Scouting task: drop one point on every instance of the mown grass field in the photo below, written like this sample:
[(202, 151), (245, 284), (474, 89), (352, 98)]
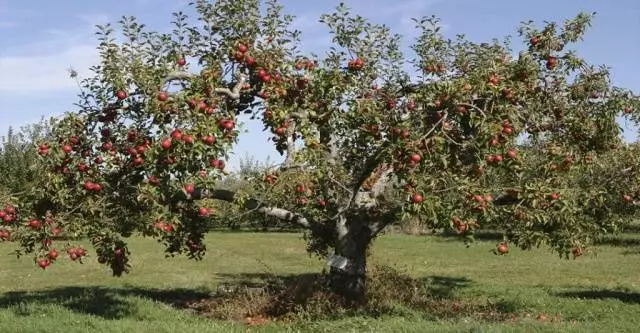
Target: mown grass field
[(592, 294)]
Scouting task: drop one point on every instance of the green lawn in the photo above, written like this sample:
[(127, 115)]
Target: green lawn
[(592, 294)]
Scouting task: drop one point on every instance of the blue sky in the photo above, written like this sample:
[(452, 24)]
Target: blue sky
[(41, 39)]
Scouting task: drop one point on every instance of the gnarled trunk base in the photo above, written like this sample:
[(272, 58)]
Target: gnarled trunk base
[(350, 286), (347, 276)]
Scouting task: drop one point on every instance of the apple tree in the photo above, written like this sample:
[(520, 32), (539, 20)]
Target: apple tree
[(370, 136)]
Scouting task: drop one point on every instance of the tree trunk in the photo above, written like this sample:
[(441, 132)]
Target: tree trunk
[(347, 275)]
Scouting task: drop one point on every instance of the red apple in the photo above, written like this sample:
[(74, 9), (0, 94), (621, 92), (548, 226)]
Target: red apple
[(503, 248), (163, 96), (490, 159), (552, 62), (417, 198), (176, 134), (121, 94), (227, 124), (53, 254), (10, 209), (44, 263), (534, 41), (209, 140), (35, 224), (203, 211), (166, 144)]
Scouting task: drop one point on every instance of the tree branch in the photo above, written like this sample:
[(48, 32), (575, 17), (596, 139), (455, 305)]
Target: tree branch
[(233, 93), (368, 199), (179, 76), (381, 223), (291, 144), (250, 204)]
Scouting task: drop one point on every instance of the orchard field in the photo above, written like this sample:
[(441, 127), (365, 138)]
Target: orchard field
[(375, 131), (466, 289)]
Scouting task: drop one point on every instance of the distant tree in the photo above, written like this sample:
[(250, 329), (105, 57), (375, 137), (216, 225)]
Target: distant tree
[(19, 158)]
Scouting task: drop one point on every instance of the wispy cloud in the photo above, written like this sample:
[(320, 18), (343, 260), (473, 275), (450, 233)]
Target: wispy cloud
[(42, 66), (7, 24), (41, 73)]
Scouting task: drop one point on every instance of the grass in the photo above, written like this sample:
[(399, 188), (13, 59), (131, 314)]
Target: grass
[(596, 293)]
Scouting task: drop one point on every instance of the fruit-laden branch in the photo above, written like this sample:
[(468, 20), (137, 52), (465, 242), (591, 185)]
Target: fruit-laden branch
[(251, 204), (233, 93)]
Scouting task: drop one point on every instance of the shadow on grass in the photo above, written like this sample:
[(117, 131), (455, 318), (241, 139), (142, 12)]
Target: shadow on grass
[(619, 241), (628, 297), (435, 286), (631, 252), (293, 297), (480, 235), (630, 237), (632, 228), (107, 303)]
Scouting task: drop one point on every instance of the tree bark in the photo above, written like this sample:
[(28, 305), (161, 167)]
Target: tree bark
[(347, 276)]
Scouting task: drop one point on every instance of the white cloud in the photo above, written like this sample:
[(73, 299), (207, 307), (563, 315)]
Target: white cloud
[(49, 72), (42, 66), (399, 14)]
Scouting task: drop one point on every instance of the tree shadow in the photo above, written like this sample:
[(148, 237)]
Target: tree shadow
[(632, 228), (480, 235), (107, 303), (628, 297), (619, 241), (270, 296), (444, 286), (630, 237), (435, 286), (631, 252)]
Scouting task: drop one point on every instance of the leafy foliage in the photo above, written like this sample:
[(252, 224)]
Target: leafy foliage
[(18, 156)]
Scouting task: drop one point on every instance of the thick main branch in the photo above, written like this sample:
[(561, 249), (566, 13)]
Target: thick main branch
[(250, 204), (233, 93)]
